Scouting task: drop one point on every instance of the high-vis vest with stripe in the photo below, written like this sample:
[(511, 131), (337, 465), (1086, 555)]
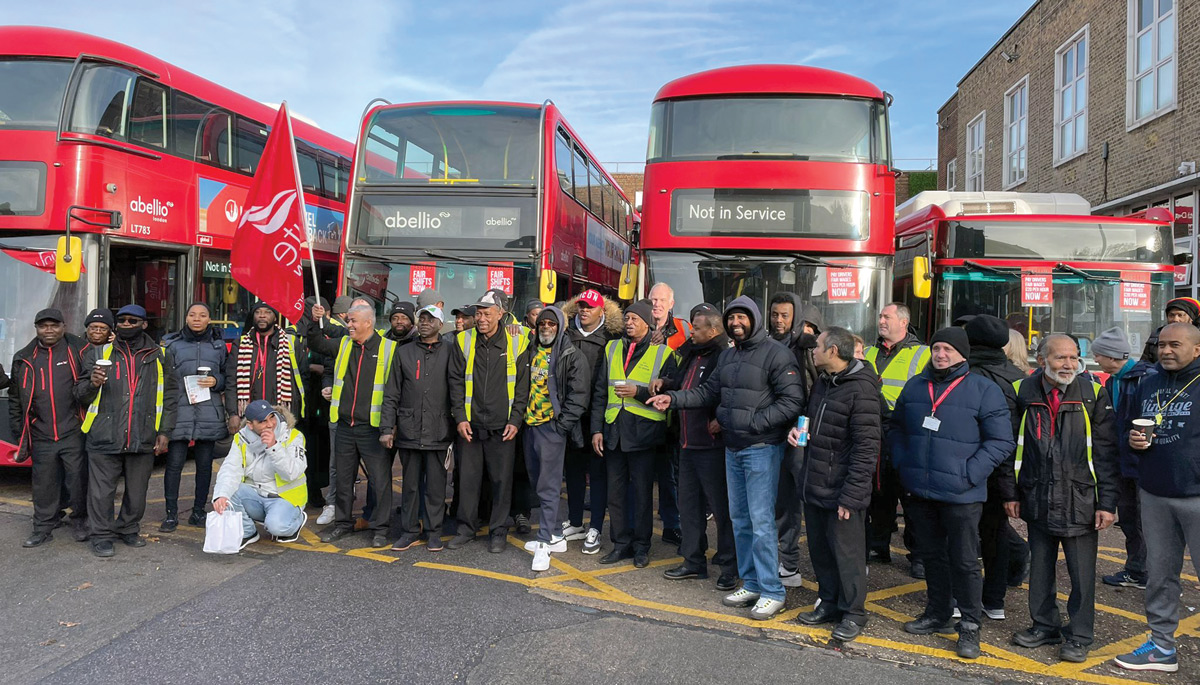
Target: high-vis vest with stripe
[(297, 376), (516, 347), (94, 408), (643, 373), (294, 491), (1087, 423), (383, 366), (907, 363)]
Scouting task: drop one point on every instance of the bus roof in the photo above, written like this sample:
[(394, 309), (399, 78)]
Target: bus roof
[(40, 41), (937, 205), (769, 79)]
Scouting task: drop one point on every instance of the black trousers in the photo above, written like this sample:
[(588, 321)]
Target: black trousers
[(486, 454), (1129, 512), (881, 515), (666, 473), (995, 549), (104, 470), (947, 537), (582, 462), (177, 451), (838, 550), (1043, 583), (702, 479), (789, 507), (430, 466), (631, 470), (360, 444), (54, 465)]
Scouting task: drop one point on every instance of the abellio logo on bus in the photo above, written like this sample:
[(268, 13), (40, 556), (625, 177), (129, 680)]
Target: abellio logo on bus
[(416, 220), (156, 209)]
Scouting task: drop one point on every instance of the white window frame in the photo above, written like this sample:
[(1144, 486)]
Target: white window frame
[(975, 168), (1009, 150), (952, 174), (1081, 116), (1131, 119)]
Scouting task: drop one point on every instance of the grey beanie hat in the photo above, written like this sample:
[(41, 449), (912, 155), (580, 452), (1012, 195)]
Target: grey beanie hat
[(1112, 343)]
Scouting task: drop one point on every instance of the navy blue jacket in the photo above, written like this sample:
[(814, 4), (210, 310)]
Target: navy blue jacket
[(1171, 467), (1125, 384), (952, 464), (204, 421)]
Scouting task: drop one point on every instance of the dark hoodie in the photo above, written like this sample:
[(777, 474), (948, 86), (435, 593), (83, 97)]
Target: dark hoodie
[(1171, 466), (568, 379), (696, 364), (756, 386)]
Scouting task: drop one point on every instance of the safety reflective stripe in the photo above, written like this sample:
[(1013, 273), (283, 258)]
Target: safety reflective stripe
[(294, 491), (383, 365), (516, 347), (1087, 423), (296, 375), (93, 409), (466, 341), (644, 372), (909, 362)]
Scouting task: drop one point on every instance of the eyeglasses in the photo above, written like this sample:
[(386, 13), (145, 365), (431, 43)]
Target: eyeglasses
[(128, 319), (546, 323)]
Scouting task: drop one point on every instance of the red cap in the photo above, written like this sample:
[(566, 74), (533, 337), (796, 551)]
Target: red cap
[(591, 298)]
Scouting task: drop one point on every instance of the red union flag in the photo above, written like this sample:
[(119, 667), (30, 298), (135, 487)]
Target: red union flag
[(266, 244)]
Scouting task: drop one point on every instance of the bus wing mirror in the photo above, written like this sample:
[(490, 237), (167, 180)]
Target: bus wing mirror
[(68, 260), (548, 286), (627, 290), (922, 284), (229, 292), (1182, 258)]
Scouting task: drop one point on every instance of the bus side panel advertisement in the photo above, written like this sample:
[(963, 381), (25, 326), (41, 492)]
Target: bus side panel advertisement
[(500, 275), (1135, 291), (220, 206), (421, 276), (1037, 289)]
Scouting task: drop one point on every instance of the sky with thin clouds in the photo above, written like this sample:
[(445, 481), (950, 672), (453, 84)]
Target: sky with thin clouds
[(600, 61)]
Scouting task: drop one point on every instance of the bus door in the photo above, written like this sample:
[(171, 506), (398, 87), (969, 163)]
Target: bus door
[(154, 278)]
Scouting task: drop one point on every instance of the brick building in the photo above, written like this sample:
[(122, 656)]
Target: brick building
[(1093, 97)]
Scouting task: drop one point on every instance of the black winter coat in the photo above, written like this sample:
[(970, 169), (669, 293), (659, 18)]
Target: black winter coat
[(569, 378), (756, 387), (1055, 486), (844, 438), (416, 400), (696, 365), (127, 401), (993, 365), (206, 420), (41, 400)]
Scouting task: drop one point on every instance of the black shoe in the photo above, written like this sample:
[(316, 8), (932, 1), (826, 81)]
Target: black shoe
[(616, 555), (497, 544), (882, 556), (672, 536), (102, 548), (917, 569), (247, 541), (169, 524), (37, 538), (434, 543), (133, 540), (968, 641), (1073, 651), (380, 540), (1016, 578), (461, 540), (80, 530), (197, 519), (1036, 637), (928, 625), (683, 572), (822, 614), (406, 541), (847, 630), (727, 582), (641, 560), (522, 524), (335, 533)]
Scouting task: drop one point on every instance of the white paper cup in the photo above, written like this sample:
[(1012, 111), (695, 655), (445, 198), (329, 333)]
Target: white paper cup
[(203, 370)]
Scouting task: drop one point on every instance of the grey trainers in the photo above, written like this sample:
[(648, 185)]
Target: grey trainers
[(765, 608)]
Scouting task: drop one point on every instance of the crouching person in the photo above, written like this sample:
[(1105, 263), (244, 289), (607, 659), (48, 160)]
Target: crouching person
[(263, 476)]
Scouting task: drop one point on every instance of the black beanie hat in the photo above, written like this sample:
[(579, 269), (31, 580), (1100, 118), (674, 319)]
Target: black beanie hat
[(643, 312), (102, 315), (986, 330), (954, 337), (405, 308)]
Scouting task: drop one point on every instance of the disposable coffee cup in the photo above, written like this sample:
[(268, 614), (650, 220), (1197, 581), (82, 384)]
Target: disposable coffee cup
[(620, 384), (203, 370), (104, 364), (1145, 427)]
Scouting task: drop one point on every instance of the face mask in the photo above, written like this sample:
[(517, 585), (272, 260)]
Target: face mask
[(129, 334)]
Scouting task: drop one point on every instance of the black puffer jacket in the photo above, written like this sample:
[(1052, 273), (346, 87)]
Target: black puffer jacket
[(993, 365), (416, 400), (189, 351), (845, 433), (756, 387), (125, 422)]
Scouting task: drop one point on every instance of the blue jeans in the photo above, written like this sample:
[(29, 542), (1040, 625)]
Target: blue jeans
[(280, 517), (752, 475)]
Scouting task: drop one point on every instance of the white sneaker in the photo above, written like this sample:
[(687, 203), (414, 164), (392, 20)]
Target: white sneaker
[(591, 543), (766, 608), (326, 516), (995, 614), (572, 533), (541, 558), (740, 598), (957, 613), (556, 544), (789, 578)]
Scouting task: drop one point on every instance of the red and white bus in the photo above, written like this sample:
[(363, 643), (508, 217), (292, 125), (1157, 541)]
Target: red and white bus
[(769, 178), (147, 165), (466, 196), (1039, 260)]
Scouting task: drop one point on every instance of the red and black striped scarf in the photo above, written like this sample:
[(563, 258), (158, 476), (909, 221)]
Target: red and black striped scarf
[(246, 364)]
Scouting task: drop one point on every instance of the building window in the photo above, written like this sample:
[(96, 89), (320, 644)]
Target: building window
[(1152, 43), (952, 174), (1016, 110), (976, 137), (1070, 100)]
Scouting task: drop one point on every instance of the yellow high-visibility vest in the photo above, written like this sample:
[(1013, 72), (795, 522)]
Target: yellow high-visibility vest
[(643, 373), (94, 408), (907, 363), (383, 366), (516, 347), (294, 491)]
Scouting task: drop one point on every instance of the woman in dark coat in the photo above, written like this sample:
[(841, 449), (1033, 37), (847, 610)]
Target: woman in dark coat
[(202, 423)]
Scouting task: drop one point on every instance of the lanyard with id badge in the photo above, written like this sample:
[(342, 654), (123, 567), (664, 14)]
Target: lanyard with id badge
[(1161, 408), (932, 422)]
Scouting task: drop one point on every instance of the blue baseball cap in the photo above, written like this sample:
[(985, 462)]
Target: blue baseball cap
[(259, 410), (133, 310)]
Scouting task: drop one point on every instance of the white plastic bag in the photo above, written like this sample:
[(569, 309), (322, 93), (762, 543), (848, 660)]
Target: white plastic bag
[(223, 532)]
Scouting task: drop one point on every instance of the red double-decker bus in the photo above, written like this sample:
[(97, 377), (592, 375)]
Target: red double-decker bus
[(769, 178), (466, 196), (1040, 261), (148, 166)]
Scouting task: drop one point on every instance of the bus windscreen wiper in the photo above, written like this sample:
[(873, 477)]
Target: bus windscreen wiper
[(824, 262), (765, 155), (1085, 274), (990, 269)]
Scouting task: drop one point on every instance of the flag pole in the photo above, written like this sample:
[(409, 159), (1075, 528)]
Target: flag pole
[(312, 257)]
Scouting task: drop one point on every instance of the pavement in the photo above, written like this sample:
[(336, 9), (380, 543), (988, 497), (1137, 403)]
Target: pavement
[(346, 613)]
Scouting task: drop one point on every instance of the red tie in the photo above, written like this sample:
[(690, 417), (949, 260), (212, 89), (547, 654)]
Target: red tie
[(1054, 401)]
